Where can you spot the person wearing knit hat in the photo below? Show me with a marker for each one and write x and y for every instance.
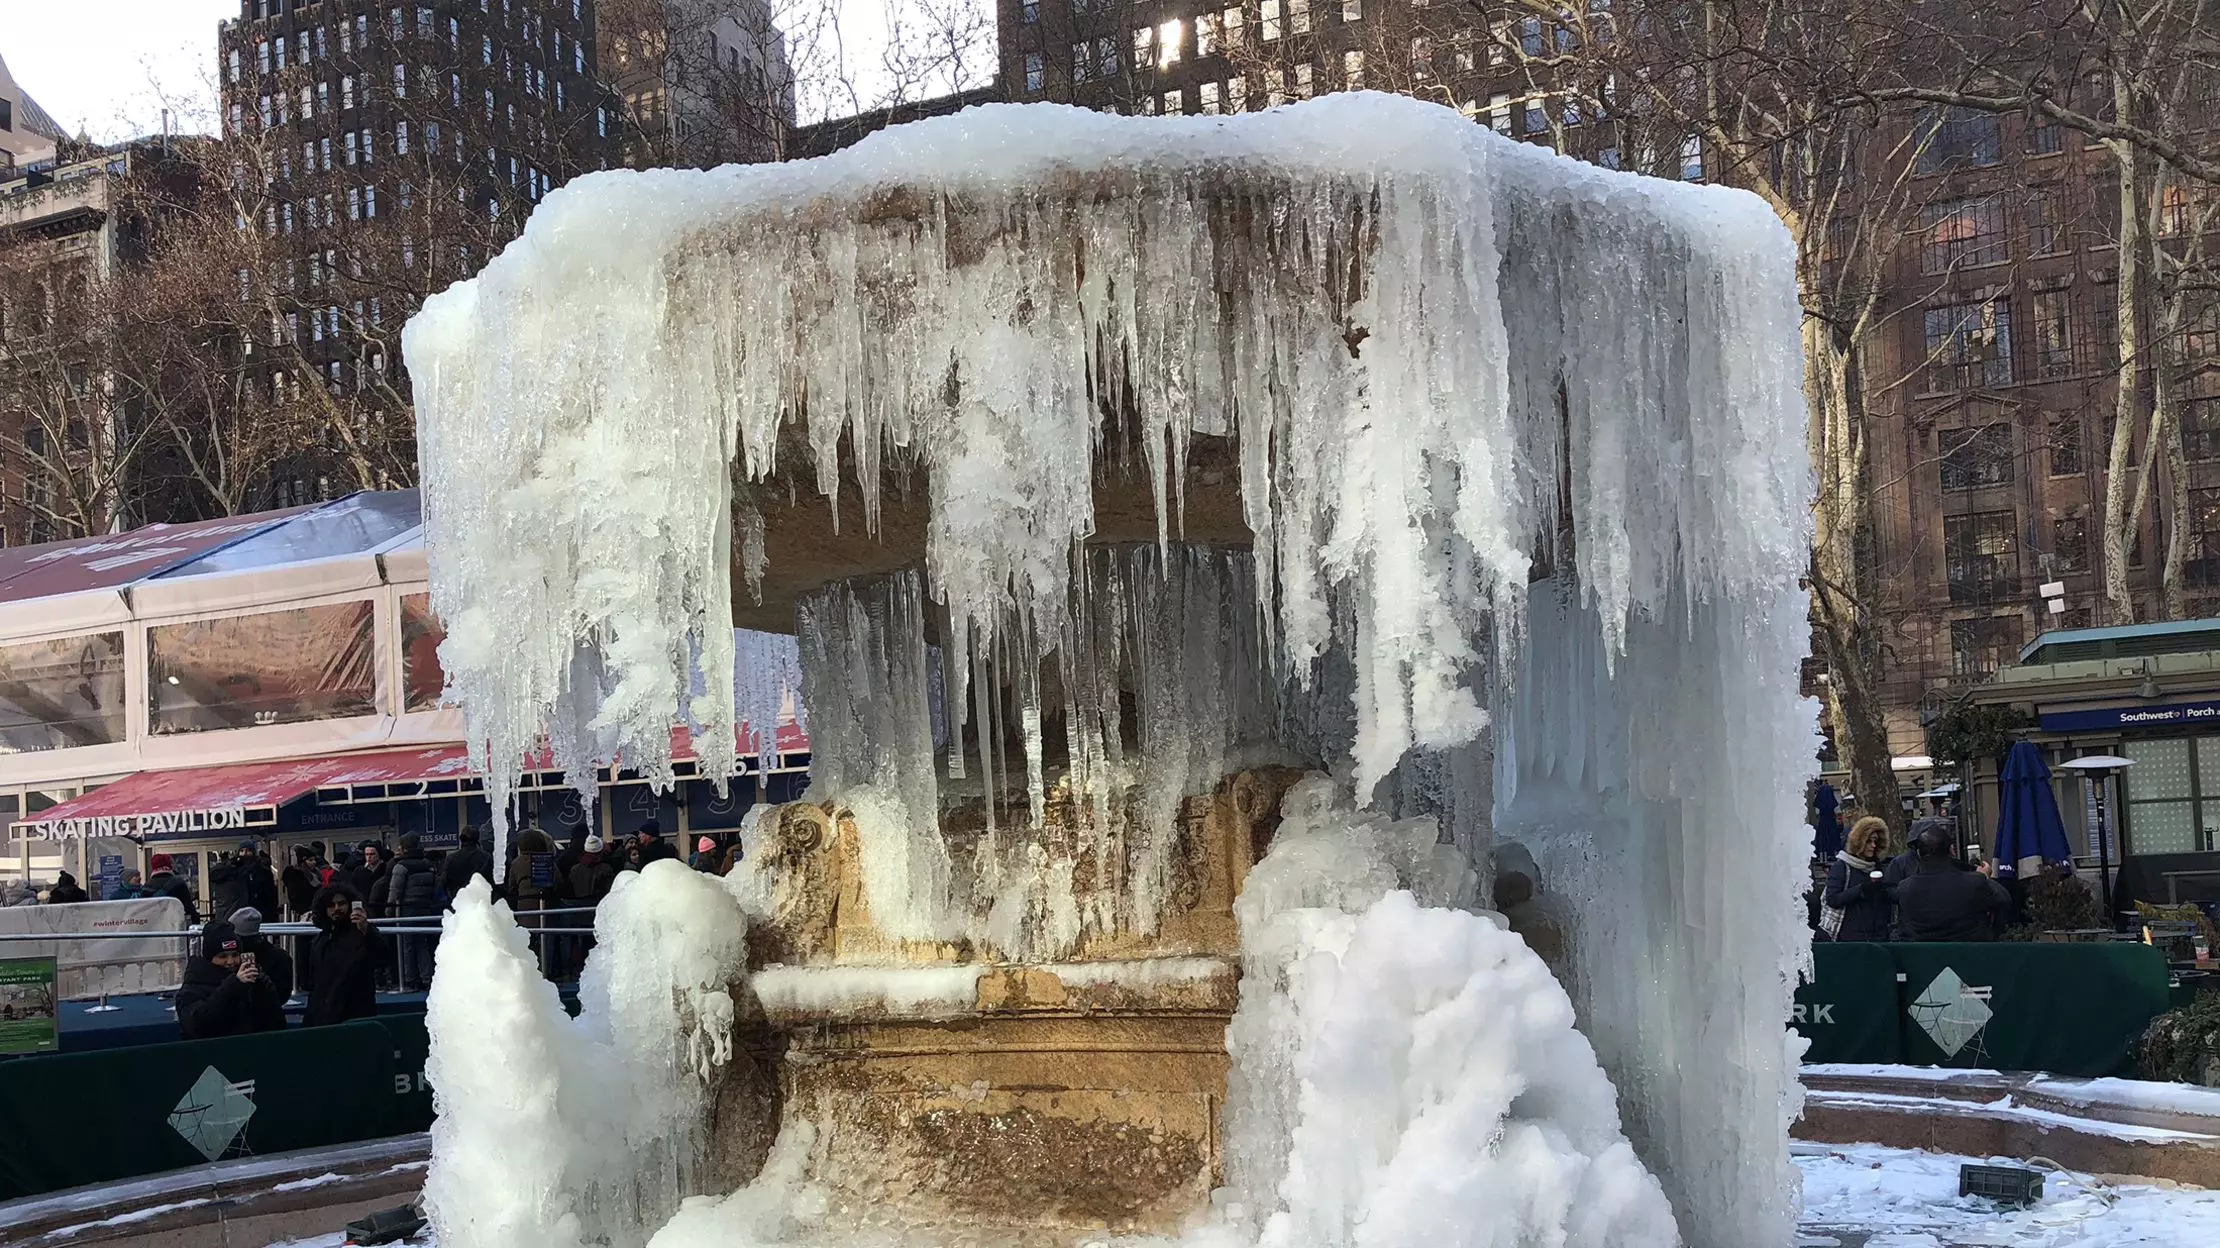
(705, 855)
(224, 992)
(593, 873)
(276, 964)
(163, 882)
(653, 848)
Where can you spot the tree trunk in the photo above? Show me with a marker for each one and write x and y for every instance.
(1844, 592)
(2122, 509)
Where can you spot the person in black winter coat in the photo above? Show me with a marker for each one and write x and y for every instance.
(241, 882)
(1942, 900)
(164, 883)
(225, 992)
(276, 964)
(343, 960)
(1852, 887)
(653, 848)
(412, 892)
(65, 891)
(300, 881)
(369, 878)
(469, 859)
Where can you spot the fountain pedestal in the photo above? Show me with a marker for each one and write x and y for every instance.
(948, 1084)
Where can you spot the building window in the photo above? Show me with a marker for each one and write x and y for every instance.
(1499, 113)
(1979, 647)
(1029, 12)
(2069, 545)
(1977, 459)
(1275, 87)
(1957, 138)
(1692, 158)
(1969, 345)
(2064, 441)
(2055, 335)
(1537, 121)
(1175, 103)
(1352, 69)
(2045, 137)
(1298, 16)
(1981, 557)
(2167, 810)
(2200, 428)
(1352, 10)
(2204, 538)
(1271, 19)
(1961, 233)
(2042, 221)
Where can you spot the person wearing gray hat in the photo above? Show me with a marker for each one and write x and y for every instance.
(275, 963)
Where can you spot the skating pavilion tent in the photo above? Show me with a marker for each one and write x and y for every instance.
(272, 676)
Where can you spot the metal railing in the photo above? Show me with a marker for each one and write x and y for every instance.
(560, 946)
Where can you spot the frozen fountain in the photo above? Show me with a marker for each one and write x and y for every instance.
(1210, 541)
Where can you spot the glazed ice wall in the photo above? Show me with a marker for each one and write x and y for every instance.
(1429, 343)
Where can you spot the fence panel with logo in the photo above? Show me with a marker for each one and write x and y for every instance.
(77, 1118)
(1848, 1010)
(111, 965)
(2068, 1009)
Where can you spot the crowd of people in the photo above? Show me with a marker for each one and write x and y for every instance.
(238, 980)
(237, 973)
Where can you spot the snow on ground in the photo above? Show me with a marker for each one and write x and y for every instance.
(1912, 1199)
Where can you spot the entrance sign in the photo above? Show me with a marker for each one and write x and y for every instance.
(164, 823)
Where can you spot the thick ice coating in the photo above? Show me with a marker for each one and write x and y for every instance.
(1444, 364)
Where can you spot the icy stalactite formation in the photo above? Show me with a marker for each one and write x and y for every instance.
(556, 1132)
(1654, 787)
(1173, 633)
(1359, 359)
(766, 689)
(1441, 358)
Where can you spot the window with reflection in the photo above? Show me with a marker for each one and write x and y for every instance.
(280, 667)
(60, 693)
(421, 632)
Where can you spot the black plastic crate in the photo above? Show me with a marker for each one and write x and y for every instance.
(2006, 1185)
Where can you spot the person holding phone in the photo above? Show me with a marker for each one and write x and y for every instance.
(344, 960)
(225, 992)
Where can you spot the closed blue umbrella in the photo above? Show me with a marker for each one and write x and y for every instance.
(2027, 824)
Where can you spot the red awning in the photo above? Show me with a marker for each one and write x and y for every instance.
(242, 797)
(113, 559)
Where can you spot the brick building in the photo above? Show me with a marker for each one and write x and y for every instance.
(68, 225)
(698, 83)
(378, 152)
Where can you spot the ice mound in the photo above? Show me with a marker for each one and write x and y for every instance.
(554, 1132)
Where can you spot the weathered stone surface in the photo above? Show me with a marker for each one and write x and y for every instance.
(1078, 1095)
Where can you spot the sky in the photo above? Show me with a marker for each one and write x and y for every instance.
(107, 66)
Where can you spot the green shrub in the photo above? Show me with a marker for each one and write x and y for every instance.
(2183, 1045)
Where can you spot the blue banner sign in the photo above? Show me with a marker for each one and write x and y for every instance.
(2178, 715)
